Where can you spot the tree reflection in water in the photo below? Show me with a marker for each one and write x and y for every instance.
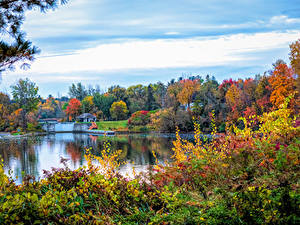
(34, 154)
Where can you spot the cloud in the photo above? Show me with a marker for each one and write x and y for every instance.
(283, 19)
(163, 53)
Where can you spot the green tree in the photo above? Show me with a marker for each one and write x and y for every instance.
(150, 103)
(78, 91)
(25, 93)
(159, 93)
(118, 92)
(17, 48)
(119, 110)
(103, 102)
(137, 97)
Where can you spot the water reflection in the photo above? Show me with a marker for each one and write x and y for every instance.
(35, 154)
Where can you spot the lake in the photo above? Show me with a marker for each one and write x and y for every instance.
(32, 155)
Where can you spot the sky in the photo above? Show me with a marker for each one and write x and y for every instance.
(121, 42)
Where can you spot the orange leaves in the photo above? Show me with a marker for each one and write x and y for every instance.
(282, 82)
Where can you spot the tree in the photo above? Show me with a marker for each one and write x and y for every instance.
(295, 56)
(282, 83)
(25, 93)
(12, 14)
(78, 91)
(88, 104)
(295, 63)
(103, 102)
(118, 92)
(172, 95)
(159, 93)
(235, 100)
(207, 100)
(150, 103)
(119, 110)
(4, 110)
(137, 97)
(262, 95)
(73, 108)
(189, 87)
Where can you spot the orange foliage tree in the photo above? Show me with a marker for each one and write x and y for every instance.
(73, 108)
(283, 85)
(235, 100)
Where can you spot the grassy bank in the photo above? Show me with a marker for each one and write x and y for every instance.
(112, 125)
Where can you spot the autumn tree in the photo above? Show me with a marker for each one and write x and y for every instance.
(235, 100)
(50, 108)
(172, 95)
(88, 105)
(119, 110)
(295, 56)
(73, 108)
(13, 45)
(189, 87)
(25, 93)
(295, 63)
(282, 83)
(262, 95)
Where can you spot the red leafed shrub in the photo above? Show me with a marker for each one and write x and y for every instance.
(139, 118)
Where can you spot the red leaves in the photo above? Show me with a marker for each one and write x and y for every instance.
(74, 107)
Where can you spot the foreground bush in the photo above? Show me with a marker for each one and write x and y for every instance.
(246, 177)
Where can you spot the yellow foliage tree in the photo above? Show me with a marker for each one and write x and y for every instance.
(119, 110)
(189, 87)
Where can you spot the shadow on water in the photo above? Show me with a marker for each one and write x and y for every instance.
(32, 155)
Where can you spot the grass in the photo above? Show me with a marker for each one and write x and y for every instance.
(112, 125)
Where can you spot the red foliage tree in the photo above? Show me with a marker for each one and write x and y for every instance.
(73, 108)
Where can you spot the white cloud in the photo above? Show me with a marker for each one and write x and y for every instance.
(282, 19)
(163, 53)
(155, 54)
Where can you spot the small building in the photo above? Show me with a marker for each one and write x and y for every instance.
(86, 117)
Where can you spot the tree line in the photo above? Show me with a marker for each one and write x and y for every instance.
(162, 106)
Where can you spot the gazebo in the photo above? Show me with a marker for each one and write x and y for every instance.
(86, 117)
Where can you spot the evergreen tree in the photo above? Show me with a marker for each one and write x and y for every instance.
(150, 103)
(11, 17)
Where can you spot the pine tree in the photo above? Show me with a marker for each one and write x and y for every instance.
(12, 14)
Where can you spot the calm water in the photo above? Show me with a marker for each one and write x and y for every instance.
(32, 155)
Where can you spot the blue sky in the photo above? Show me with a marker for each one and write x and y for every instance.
(109, 42)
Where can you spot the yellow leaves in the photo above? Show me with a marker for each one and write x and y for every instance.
(109, 161)
(189, 87)
(183, 149)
